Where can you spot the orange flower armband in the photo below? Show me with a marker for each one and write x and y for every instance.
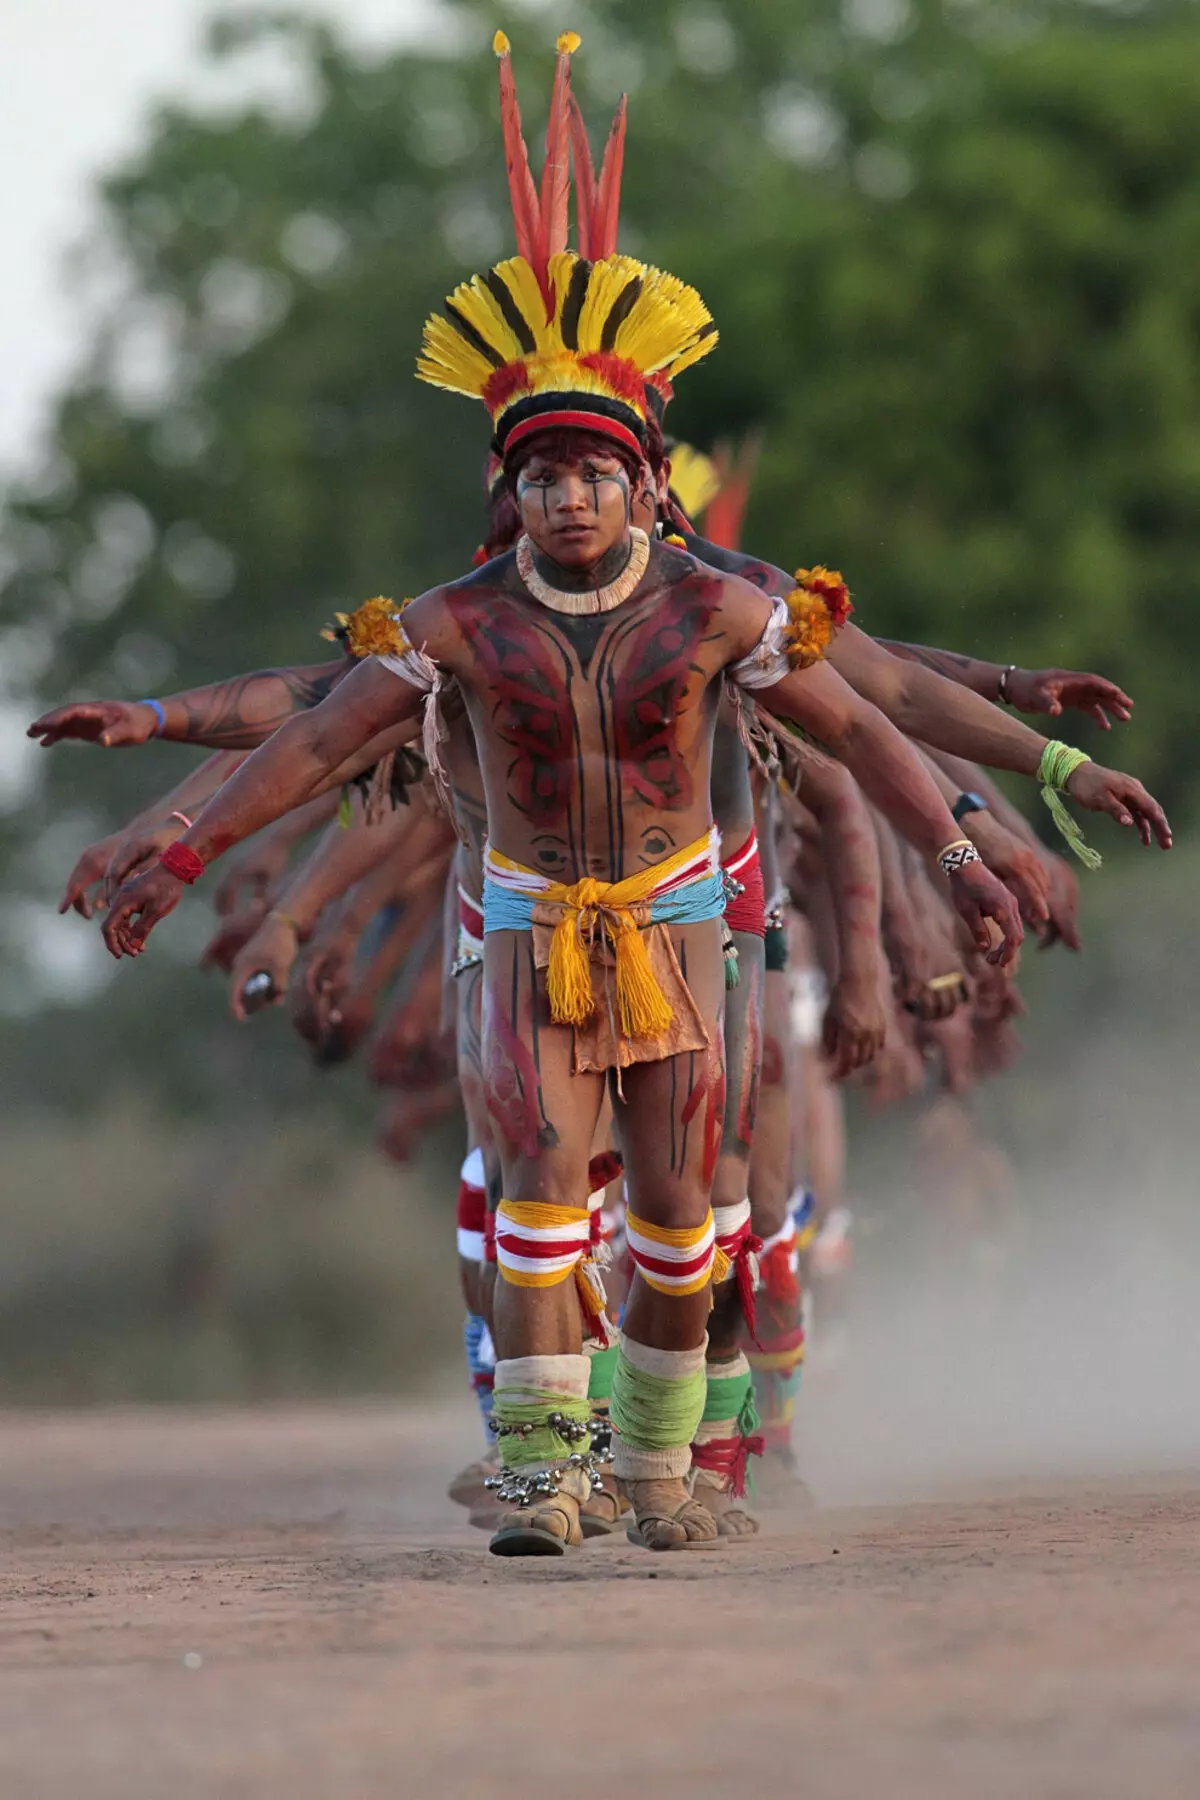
(818, 606)
(374, 629)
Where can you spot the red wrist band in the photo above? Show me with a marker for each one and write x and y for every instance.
(181, 862)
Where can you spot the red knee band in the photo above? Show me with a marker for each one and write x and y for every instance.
(472, 1207)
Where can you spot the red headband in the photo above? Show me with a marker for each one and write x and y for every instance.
(575, 421)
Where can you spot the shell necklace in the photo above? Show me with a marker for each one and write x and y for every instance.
(587, 600)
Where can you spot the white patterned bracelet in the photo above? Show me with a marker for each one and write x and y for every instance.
(957, 855)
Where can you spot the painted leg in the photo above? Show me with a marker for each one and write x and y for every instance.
(725, 1438)
(543, 1118)
(669, 1126)
(776, 1358)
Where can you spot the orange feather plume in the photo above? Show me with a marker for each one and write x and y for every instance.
(608, 192)
(725, 513)
(556, 171)
(585, 182)
(527, 211)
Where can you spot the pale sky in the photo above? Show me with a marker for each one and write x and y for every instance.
(78, 79)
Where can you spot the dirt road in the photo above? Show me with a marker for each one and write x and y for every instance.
(271, 1605)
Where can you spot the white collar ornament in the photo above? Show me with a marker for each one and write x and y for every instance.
(586, 600)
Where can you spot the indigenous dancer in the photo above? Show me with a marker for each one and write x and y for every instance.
(589, 661)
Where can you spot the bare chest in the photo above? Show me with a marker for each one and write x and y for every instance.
(616, 697)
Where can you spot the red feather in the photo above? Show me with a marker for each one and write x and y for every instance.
(619, 375)
(608, 196)
(585, 183)
(527, 212)
(512, 379)
(556, 171)
(725, 512)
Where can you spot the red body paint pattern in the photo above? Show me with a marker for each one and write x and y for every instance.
(857, 894)
(750, 1072)
(710, 1089)
(649, 689)
(531, 701)
(511, 1085)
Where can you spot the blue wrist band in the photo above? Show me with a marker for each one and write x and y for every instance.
(160, 715)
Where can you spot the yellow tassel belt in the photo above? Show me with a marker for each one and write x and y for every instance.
(684, 889)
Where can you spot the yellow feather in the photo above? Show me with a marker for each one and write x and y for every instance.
(695, 354)
(562, 266)
(608, 278)
(522, 284)
(694, 478)
(479, 307)
(664, 323)
(448, 361)
(568, 43)
(500, 44)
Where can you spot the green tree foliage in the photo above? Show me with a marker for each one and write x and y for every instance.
(952, 250)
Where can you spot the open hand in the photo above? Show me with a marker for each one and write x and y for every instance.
(855, 1022)
(977, 896)
(254, 872)
(1055, 691)
(1110, 791)
(930, 957)
(137, 850)
(141, 902)
(271, 948)
(1017, 864)
(87, 874)
(111, 723)
(1064, 903)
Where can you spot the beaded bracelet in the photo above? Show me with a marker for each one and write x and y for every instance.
(957, 855)
(181, 862)
(1002, 684)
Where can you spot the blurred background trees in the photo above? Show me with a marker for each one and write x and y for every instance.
(954, 252)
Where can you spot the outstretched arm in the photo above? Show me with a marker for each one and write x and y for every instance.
(856, 1017)
(894, 778)
(951, 717)
(341, 857)
(1049, 691)
(237, 714)
(299, 762)
(104, 864)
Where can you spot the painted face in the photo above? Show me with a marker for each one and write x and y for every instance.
(575, 511)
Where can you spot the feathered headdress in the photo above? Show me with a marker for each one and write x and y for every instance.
(695, 479)
(550, 337)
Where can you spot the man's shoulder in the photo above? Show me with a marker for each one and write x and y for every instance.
(495, 573)
(762, 575)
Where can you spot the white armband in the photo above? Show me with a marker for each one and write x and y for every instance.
(768, 662)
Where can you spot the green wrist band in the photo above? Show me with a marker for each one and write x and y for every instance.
(1059, 762)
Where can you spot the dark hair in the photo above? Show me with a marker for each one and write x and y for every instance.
(656, 444)
(563, 444)
(504, 521)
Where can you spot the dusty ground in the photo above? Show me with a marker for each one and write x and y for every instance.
(275, 1604)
